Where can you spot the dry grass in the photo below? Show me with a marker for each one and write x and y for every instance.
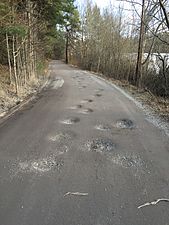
(8, 96)
(157, 104)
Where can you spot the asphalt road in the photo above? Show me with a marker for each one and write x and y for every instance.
(82, 153)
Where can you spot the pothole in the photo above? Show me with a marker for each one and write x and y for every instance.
(82, 87)
(41, 165)
(125, 124)
(75, 77)
(81, 78)
(100, 89)
(98, 95)
(61, 150)
(102, 127)
(101, 145)
(57, 137)
(86, 101)
(129, 161)
(76, 107)
(86, 111)
(70, 121)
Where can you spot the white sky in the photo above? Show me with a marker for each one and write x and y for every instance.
(128, 9)
(103, 3)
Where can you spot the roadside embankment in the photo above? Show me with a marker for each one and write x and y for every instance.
(9, 100)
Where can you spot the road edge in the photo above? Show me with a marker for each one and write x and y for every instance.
(29, 98)
(151, 116)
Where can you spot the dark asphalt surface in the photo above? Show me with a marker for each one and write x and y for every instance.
(82, 135)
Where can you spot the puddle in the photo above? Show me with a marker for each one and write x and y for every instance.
(86, 111)
(101, 145)
(125, 124)
(70, 121)
(102, 127)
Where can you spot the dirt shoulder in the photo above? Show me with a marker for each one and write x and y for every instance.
(158, 105)
(10, 101)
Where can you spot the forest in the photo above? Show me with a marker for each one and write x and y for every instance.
(125, 43)
(29, 38)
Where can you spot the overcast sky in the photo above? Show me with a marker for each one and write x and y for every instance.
(104, 3)
(128, 14)
(101, 3)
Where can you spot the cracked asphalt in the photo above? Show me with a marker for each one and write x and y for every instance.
(81, 135)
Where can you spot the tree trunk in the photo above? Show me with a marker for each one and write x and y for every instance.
(24, 64)
(9, 59)
(66, 50)
(98, 65)
(15, 66)
(138, 73)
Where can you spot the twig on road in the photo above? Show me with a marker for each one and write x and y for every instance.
(154, 202)
(76, 193)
